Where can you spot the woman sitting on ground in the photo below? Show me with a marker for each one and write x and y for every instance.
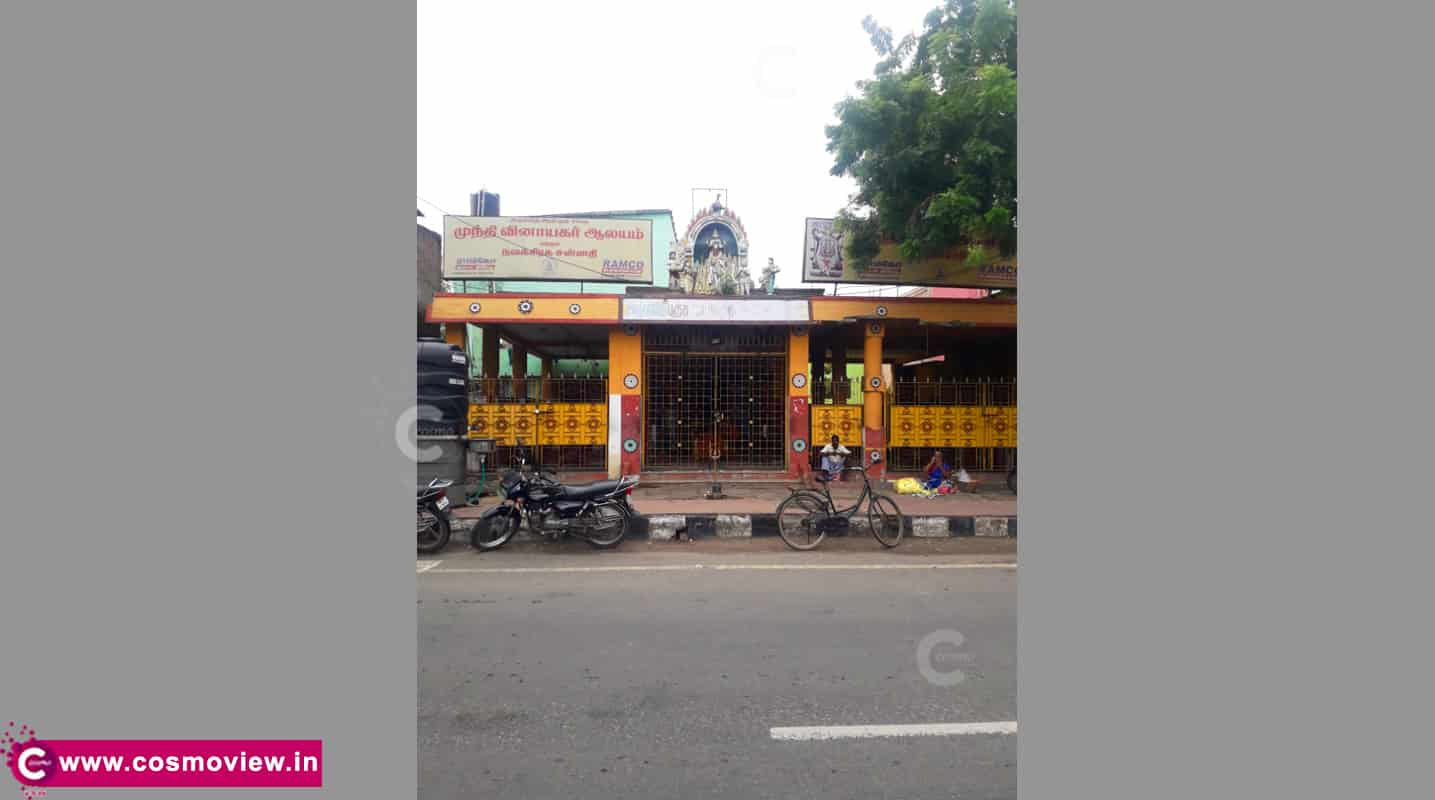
(937, 471)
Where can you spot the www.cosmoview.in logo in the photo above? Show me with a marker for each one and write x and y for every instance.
(159, 763)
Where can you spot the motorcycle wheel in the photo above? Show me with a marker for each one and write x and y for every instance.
(433, 532)
(491, 533)
(609, 525)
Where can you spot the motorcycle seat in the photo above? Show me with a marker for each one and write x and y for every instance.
(588, 491)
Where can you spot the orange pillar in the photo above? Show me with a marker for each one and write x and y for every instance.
(799, 385)
(625, 401)
(874, 433)
(454, 333)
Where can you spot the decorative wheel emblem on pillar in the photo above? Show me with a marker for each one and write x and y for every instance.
(631, 330)
(474, 308)
(800, 330)
(875, 328)
(799, 380)
(799, 445)
(574, 308)
(875, 457)
(525, 306)
(881, 312)
(630, 445)
(875, 382)
(630, 380)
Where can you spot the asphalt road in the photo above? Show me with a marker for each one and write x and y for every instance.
(663, 678)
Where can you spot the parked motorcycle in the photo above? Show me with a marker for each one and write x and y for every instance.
(434, 525)
(598, 512)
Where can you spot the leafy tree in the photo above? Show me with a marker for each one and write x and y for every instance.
(931, 139)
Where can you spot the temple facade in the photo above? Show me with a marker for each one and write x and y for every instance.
(721, 368)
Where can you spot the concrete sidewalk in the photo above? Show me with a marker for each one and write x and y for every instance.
(678, 511)
(762, 498)
(744, 497)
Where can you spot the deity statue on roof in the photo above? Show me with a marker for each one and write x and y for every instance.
(715, 245)
(743, 280)
(711, 257)
(769, 277)
(675, 268)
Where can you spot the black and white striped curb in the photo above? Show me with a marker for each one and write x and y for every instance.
(667, 527)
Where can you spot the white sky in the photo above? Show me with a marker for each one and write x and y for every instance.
(605, 106)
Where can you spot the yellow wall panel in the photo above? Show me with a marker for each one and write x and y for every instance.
(844, 421)
(952, 426)
(903, 427)
(557, 424)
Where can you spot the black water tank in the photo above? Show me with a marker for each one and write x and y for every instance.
(436, 355)
(442, 388)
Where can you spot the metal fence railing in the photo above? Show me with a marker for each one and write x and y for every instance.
(947, 392)
(538, 390)
(841, 391)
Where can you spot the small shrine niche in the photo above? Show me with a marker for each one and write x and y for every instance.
(711, 257)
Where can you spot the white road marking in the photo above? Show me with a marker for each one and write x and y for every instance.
(694, 567)
(425, 566)
(823, 732)
(629, 568)
(865, 566)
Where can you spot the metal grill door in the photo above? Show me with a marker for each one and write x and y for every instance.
(751, 395)
(679, 412)
(728, 401)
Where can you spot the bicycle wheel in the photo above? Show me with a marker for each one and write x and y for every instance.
(798, 521)
(885, 519)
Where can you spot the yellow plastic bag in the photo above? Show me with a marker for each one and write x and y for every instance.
(908, 486)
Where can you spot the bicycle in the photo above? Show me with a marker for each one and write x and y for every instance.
(805, 517)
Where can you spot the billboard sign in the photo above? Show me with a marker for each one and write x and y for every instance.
(548, 249)
(823, 262)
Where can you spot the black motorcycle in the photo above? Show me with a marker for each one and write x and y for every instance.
(433, 512)
(598, 512)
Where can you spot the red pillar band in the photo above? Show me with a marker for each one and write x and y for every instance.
(632, 421)
(798, 421)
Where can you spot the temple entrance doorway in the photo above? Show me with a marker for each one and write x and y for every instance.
(715, 387)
